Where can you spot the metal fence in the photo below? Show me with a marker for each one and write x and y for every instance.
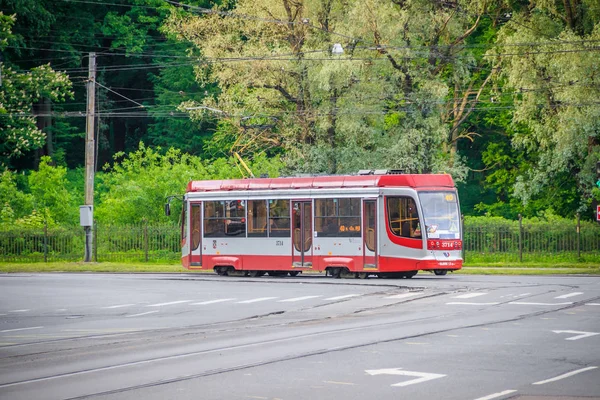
(513, 241)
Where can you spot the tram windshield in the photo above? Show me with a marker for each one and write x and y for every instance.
(440, 212)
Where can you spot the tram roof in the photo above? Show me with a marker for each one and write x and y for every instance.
(322, 182)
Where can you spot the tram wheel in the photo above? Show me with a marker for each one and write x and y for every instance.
(410, 274)
(222, 271)
(336, 273)
(362, 275)
(255, 274)
(440, 272)
(294, 273)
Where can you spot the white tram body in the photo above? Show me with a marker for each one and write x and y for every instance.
(355, 225)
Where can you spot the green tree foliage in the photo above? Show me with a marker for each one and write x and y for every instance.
(51, 198)
(137, 185)
(20, 90)
(380, 104)
(549, 67)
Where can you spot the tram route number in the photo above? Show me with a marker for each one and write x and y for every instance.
(279, 243)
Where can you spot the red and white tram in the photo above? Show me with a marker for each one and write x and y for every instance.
(389, 225)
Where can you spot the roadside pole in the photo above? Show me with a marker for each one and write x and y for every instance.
(87, 211)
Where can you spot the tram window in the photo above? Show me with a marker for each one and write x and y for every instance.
(195, 226)
(403, 217)
(337, 217)
(279, 218)
(257, 218)
(214, 218)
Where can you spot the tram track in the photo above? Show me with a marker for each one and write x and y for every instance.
(284, 358)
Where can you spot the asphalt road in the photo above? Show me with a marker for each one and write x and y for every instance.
(71, 336)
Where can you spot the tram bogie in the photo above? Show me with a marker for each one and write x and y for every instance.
(355, 226)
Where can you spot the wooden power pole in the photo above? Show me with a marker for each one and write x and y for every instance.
(87, 211)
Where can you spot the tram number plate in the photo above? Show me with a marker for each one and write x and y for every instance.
(279, 243)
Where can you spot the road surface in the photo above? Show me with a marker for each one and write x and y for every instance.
(190, 336)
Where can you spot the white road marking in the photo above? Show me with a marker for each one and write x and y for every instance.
(521, 295)
(403, 295)
(346, 296)
(592, 304)
(21, 329)
(525, 303)
(169, 303)
(469, 295)
(256, 300)
(580, 334)
(422, 376)
(496, 395)
(464, 303)
(120, 306)
(211, 302)
(297, 299)
(568, 374)
(16, 311)
(140, 314)
(566, 296)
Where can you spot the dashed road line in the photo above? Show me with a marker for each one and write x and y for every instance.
(469, 295)
(592, 304)
(169, 303)
(140, 314)
(496, 395)
(346, 296)
(566, 296)
(525, 303)
(297, 299)
(563, 376)
(464, 303)
(21, 329)
(403, 295)
(119, 306)
(256, 300)
(203, 303)
(18, 311)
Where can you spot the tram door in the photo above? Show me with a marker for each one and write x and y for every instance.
(302, 233)
(370, 234)
(195, 239)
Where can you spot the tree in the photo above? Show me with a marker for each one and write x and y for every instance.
(20, 91)
(549, 67)
(380, 104)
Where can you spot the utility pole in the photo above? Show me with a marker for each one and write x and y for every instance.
(86, 212)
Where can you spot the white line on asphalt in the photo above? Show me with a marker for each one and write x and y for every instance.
(464, 303)
(568, 374)
(120, 306)
(211, 302)
(15, 311)
(496, 395)
(297, 299)
(566, 296)
(140, 314)
(346, 296)
(524, 303)
(256, 300)
(169, 303)
(403, 295)
(592, 304)
(469, 295)
(21, 329)
(521, 295)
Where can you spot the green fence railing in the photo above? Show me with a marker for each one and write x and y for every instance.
(511, 241)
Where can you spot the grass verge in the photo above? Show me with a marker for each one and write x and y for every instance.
(131, 267)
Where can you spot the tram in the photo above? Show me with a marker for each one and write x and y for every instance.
(375, 223)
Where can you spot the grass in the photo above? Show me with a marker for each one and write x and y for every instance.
(488, 268)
